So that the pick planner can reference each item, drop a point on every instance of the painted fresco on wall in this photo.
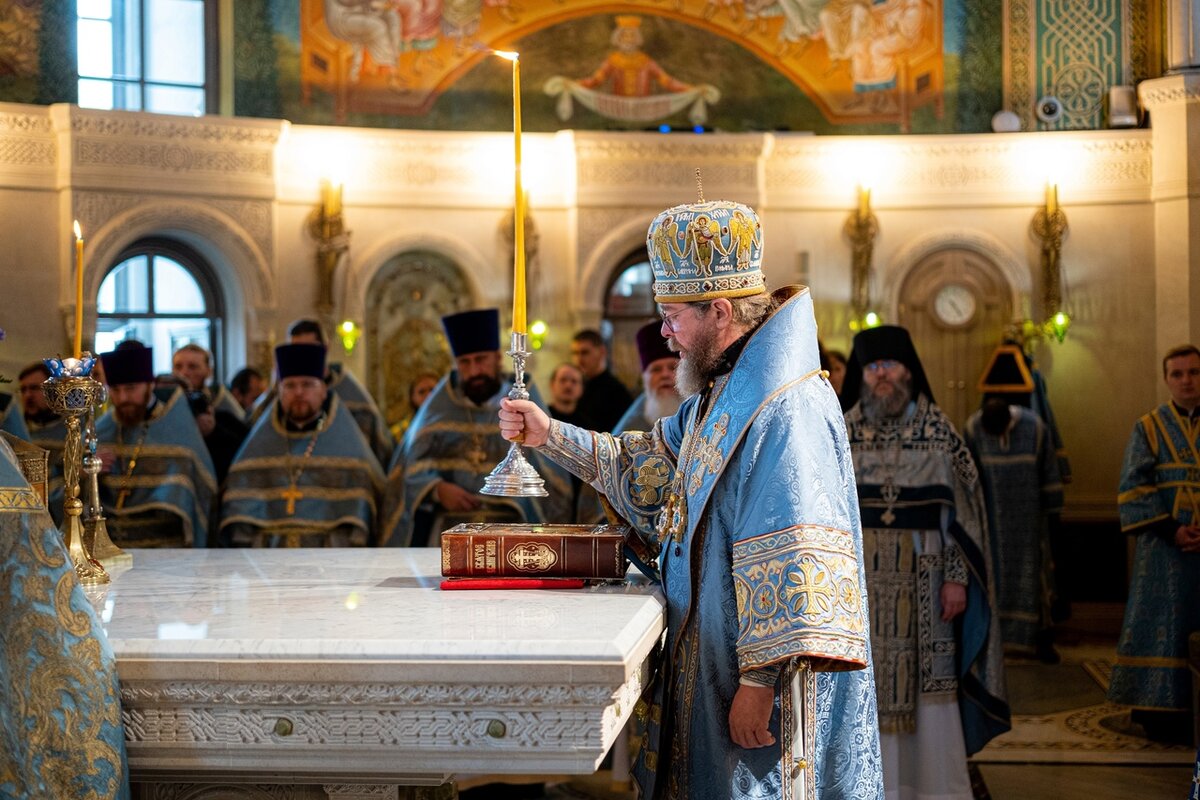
(845, 66)
(37, 47)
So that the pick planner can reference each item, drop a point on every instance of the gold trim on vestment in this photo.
(320, 492)
(316, 525)
(440, 464)
(315, 462)
(150, 450)
(189, 535)
(19, 500)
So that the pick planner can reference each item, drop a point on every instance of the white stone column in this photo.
(1174, 105)
(1183, 34)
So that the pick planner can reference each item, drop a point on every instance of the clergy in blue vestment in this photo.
(936, 638)
(1018, 467)
(452, 446)
(60, 709)
(305, 476)
(743, 504)
(353, 395)
(1160, 505)
(158, 484)
(658, 398)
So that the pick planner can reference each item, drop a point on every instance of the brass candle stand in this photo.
(95, 527)
(72, 393)
(515, 476)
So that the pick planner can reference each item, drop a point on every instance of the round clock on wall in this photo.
(954, 305)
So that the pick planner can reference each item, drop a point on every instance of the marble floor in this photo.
(1067, 743)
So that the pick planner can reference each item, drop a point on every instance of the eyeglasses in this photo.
(887, 364)
(699, 307)
(668, 318)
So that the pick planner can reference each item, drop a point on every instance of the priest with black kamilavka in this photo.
(452, 445)
(305, 476)
(158, 481)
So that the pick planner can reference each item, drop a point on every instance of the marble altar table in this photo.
(348, 673)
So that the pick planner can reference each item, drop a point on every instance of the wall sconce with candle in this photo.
(861, 228)
(327, 225)
(1050, 226)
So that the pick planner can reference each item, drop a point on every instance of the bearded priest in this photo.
(305, 476)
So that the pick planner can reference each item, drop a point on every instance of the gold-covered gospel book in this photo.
(511, 550)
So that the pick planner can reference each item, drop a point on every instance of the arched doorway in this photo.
(406, 301)
(628, 305)
(956, 303)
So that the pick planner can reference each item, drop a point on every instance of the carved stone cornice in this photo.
(27, 145)
(660, 169)
(130, 125)
(121, 149)
(24, 120)
(305, 720)
(1171, 90)
(357, 694)
(980, 169)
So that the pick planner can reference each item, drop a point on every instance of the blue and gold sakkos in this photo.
(60, 714)
(749, 516)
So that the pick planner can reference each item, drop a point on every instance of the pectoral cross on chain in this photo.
(292, 494)
(891, 493)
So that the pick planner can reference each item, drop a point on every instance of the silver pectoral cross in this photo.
(891, 493)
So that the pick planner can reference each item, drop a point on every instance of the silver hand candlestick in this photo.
(515, 476)
(71, 392)
(95, 526)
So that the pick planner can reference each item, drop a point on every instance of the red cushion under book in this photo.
(512, 583)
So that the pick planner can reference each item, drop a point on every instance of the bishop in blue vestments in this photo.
(743, 504)
(60, 706)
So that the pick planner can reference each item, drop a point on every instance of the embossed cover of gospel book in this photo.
(479, 550)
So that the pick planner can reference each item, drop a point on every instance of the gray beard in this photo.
(880, 409)
(697, 364)
(662, 404)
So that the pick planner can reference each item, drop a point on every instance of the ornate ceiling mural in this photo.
(823, 65)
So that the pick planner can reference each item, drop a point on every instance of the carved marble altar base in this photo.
(347, 673)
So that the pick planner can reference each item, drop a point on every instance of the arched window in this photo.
(628, 305)
(163, 294)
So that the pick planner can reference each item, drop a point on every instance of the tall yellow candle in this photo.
(864, 201)
(1051, 198)
(78, 291)
(518, 325)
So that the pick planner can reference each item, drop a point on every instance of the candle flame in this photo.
(78, 230)
(507, 54)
